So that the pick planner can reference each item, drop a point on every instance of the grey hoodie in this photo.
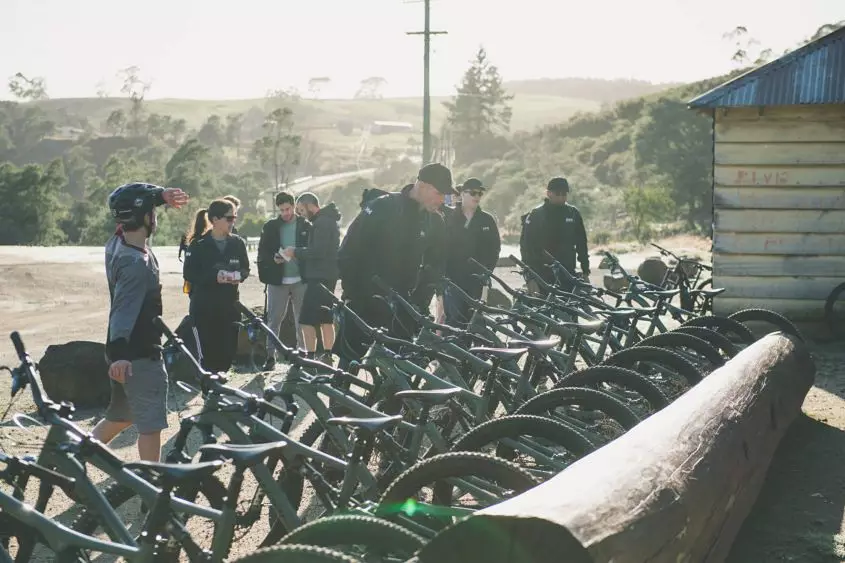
(320, 256)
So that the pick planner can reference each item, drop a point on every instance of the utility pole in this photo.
(426, 33)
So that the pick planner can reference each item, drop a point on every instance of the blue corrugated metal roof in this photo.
(812, 74)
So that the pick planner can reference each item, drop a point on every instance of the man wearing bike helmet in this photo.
(133, 343)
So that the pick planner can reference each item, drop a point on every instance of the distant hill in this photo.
(593, 89)
(536, 103)
(529, 110)
(596, 152)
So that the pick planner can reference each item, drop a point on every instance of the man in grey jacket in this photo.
(320, 260)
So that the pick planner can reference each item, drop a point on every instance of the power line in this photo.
(426, 33)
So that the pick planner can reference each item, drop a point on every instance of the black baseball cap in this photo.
(471, 185)
(559, 185)
(438, 176)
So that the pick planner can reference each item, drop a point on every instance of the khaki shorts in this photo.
(142, 400)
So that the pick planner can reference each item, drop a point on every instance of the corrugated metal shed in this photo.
(812, 74)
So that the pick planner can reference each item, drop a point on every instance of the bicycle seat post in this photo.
(490, 380)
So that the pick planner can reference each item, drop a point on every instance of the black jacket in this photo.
(269, 244)
(558, 229)
(394, 238)
(320, 256)
(477, 239)
(202, 262)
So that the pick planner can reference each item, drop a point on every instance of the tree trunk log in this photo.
(676, 488)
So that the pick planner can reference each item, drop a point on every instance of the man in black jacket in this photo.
(471, 233)
(555, 227)
(282, 276)
(320, 259)
(399, 237)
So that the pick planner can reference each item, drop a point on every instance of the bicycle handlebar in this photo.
(16, 465)
(54, 413)
(19, 347)
(375, 334)
(419, 318)
(292, 356)
(492, 275)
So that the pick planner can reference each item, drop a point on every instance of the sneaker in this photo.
(269, 365)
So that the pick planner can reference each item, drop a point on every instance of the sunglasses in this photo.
(230, 218)
(475, 193)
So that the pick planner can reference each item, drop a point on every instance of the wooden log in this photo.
(675, 488)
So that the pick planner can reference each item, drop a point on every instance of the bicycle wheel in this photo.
(353, 534)
(598, 413)
(516, 438)
(628, 386)
(699, 352)
(292, 553)
(734, 330)
(834, 314)
(489, 476)
(765, 316)
(718, 341)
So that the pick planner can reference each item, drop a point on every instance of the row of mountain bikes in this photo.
(371, 463)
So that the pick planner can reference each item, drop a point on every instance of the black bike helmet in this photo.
(131, 202)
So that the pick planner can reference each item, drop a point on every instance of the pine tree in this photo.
(480, 110)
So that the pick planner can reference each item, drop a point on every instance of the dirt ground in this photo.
(55, 295)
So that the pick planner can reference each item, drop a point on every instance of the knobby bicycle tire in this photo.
(293, 553)
(451, 465)
(757, 314)
(670, 339)
(836, 325)
(724, 326)
(589, 398)
(516, 425)
(633, 381)
(718, 341)
(374, 534)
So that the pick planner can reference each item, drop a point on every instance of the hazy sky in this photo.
(239, 49)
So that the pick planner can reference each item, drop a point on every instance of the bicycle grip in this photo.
(18, 343)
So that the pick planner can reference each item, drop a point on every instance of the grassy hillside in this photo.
(598, 153)
(606, 91)
(529, 111)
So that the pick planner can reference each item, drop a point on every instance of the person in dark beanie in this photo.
(555, 227)
(471, 233)
(399, 237)
(371, 194)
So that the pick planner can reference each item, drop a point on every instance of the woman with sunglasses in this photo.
(216, 263)
(472, 233)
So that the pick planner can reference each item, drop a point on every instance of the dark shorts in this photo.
(142, 400)
(316, 305)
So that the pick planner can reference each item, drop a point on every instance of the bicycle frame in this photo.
(61, 539)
